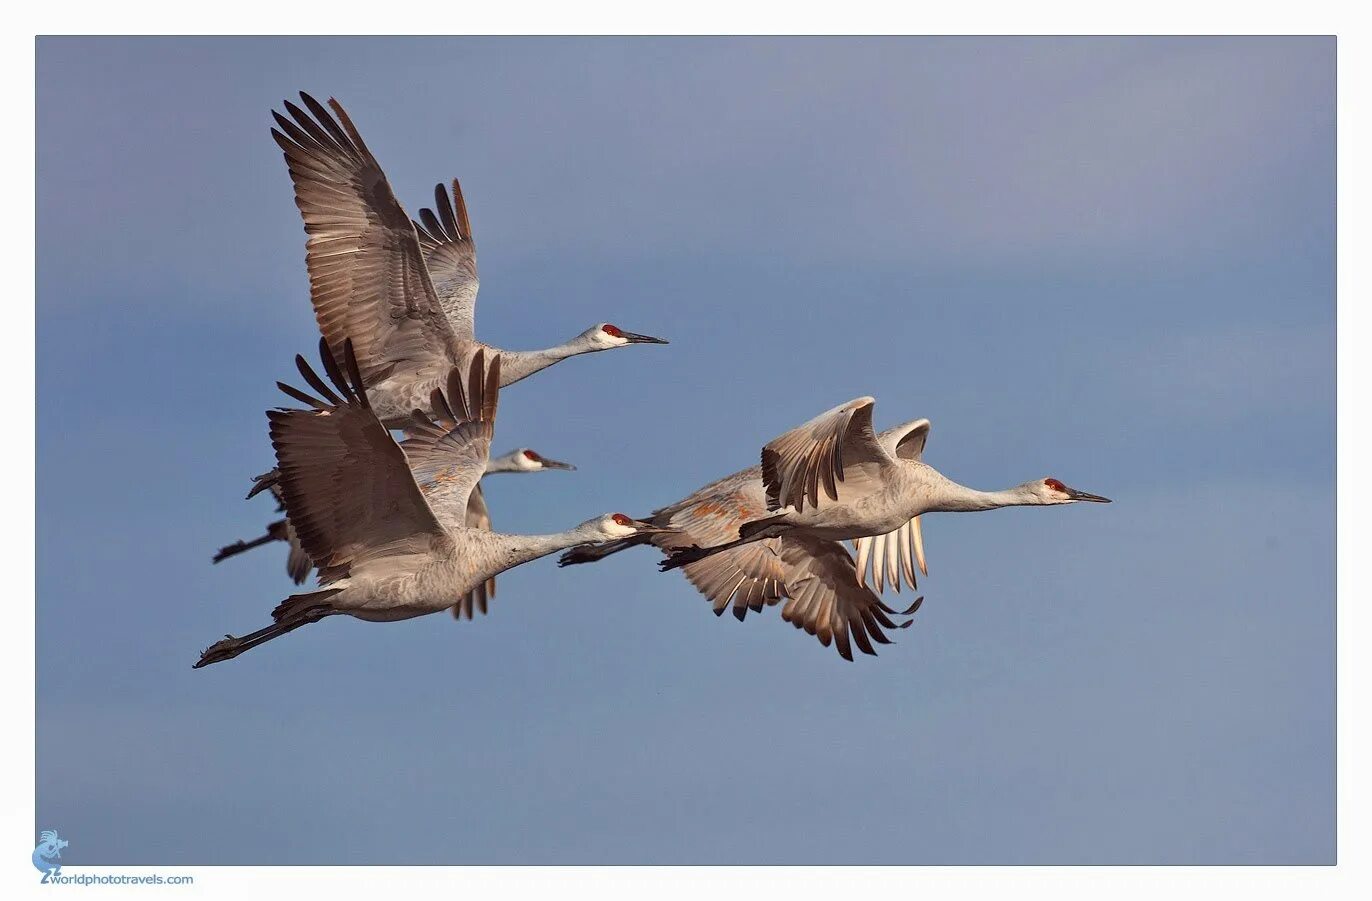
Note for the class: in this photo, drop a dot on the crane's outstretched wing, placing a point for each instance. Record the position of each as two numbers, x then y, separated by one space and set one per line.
891 556
478 517
368 281
825 599
345 483
814 578
448 450
906 441
445 238
835 446
298 563
747 577
899 552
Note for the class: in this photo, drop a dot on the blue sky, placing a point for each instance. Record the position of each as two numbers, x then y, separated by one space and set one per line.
1105 260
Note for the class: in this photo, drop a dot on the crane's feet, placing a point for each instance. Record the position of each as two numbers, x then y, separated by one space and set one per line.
226 648
582 553
231 550
683 556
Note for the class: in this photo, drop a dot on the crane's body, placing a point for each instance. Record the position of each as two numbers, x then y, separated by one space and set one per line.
445 570
398 531
403 291
874 489
299 565
387 550
813 577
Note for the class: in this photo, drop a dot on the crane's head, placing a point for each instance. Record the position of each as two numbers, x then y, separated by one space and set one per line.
606 336
1051 491
526 460
618 525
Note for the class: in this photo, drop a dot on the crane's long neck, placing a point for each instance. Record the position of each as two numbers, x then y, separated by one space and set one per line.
520 364
517 549
504 463
950 497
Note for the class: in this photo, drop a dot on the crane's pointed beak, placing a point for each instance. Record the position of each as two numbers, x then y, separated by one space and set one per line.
1076 495
557 464
643 339
647 528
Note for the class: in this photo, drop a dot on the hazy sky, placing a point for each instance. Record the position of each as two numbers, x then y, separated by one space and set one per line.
1109 261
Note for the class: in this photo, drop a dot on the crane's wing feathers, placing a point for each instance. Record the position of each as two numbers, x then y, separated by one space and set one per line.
894 556
478 517
906 441
891 557
448 453
345 483
833 447
814 578
825 599
368 280
747 577
298 562
445 238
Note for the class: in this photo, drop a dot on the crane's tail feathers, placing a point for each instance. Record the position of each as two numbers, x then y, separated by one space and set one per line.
299 610
590 553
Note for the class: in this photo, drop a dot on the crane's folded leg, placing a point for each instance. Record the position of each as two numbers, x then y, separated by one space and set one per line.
294 612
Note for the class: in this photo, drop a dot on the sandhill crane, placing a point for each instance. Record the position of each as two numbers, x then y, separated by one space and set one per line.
299 565
885 486
404 292
822 592
386 550
520 459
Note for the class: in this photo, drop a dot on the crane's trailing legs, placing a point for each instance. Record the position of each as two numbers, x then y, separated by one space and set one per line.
276 531
749 532
294 612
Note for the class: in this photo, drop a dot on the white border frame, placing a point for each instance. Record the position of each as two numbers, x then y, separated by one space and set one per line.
1347 879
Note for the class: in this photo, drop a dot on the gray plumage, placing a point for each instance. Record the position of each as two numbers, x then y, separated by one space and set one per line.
404 292
813 579
385 549
298 563
834 479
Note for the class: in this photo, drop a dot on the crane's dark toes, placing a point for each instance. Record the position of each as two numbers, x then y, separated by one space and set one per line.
578 554
228 551
226 648
681 557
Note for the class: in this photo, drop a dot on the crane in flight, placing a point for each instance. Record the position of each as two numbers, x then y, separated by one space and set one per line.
814 579
299 565
403 291
885 486
385 549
